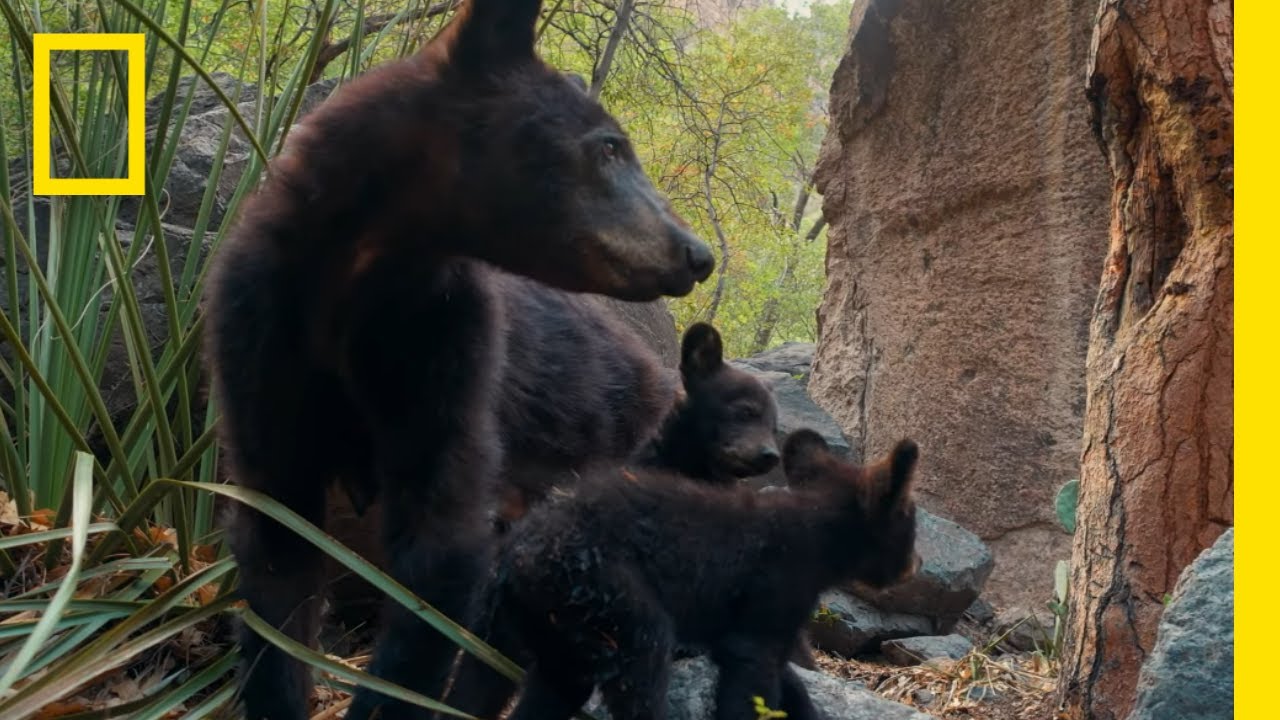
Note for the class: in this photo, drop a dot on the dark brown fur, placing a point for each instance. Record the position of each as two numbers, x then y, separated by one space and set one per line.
352 328
598 585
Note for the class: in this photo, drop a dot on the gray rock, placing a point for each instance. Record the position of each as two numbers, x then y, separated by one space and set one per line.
1023 629
693 687
980 612
197 152
916 650
1190 672
792 358
955 567
982 693
848 625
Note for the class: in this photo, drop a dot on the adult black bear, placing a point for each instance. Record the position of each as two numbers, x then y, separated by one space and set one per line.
353 320
597 585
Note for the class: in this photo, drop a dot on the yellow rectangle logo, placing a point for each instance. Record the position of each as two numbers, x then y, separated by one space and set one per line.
134 181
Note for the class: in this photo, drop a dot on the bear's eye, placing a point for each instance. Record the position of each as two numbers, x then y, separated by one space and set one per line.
610 148
744 413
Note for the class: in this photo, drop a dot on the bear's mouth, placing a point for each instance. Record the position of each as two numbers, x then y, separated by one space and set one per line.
734 465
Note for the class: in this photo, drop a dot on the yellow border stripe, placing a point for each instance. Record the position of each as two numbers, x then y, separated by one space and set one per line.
1257 499
134 182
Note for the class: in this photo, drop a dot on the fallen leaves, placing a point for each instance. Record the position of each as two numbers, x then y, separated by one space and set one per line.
8 511
978 686
12 523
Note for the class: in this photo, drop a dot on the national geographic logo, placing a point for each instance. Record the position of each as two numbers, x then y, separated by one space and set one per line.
134 46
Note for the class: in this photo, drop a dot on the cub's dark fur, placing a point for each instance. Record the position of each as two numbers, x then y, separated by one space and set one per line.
596 586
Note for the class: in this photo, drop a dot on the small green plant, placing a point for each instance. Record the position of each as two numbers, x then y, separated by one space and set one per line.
825 615
764 712
1058 606
1065 504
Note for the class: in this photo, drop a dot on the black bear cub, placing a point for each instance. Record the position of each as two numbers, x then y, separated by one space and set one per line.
595 587
725 428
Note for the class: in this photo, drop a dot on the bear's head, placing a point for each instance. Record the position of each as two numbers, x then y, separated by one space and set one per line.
543 181
732 414
878 512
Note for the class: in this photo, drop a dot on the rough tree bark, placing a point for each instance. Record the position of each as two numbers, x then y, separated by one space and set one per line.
1156 475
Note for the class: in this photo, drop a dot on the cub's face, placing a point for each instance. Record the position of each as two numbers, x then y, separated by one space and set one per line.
734 414
878 495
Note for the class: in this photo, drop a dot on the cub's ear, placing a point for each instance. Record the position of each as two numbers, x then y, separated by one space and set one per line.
902 466
803 455
489 34
701 351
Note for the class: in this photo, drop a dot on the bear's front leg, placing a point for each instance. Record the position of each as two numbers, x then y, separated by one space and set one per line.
424 358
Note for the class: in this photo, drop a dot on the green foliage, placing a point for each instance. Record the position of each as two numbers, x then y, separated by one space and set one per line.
763 711
1064 504
1058 606
825 615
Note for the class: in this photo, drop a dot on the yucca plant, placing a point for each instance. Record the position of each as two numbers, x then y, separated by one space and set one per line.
111 557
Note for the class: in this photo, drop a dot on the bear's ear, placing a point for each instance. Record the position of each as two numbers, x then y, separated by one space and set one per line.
902 466
489 34
701 351
803 455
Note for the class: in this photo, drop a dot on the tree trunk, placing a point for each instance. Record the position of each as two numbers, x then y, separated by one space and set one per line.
620 25
1156 467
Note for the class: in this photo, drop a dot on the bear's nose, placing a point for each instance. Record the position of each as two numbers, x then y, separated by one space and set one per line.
701 261
768 455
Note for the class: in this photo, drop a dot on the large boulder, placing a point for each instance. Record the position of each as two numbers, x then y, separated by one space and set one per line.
793 358
1190 673
693 687
968 209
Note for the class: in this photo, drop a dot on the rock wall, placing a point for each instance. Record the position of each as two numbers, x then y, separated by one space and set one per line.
967 199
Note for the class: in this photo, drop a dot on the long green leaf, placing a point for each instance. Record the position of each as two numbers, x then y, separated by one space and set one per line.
347 557
44 536
297 650
83 481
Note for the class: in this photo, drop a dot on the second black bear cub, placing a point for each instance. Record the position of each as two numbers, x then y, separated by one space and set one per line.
725 428
599 584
